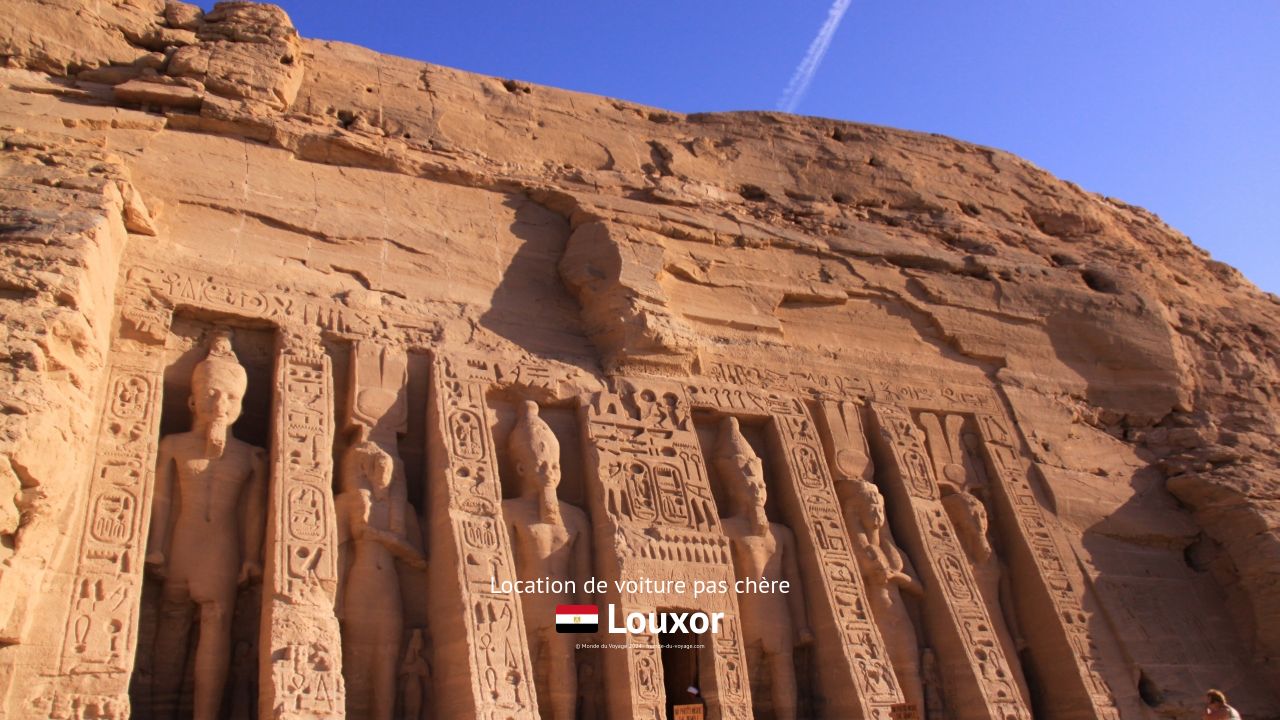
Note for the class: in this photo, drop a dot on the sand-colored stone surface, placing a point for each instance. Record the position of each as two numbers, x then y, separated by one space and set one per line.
432 282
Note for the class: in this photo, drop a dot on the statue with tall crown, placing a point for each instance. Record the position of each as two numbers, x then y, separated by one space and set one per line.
773 624
550 539
206 532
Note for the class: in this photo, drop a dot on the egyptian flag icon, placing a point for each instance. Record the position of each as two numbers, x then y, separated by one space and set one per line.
577 618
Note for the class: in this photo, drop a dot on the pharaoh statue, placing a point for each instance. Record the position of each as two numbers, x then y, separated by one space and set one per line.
206 531
549 538
773 623
969 518
372 511
884 571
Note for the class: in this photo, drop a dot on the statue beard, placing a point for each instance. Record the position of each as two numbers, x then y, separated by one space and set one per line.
549 504
216 441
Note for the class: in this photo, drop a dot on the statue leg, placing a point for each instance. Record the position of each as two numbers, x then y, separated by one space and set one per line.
782 672
213 658
170 658
357 670
563 677
384 679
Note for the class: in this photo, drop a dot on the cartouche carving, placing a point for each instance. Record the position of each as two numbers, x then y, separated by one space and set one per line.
549 538
773 623
207 545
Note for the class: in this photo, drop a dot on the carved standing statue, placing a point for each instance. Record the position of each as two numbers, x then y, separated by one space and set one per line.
372 515
206 531
773 623
969 518
883 569
550 538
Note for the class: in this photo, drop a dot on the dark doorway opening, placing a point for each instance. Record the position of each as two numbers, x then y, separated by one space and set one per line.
681 680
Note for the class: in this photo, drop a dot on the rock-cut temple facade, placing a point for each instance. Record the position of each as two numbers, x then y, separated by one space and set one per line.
312 357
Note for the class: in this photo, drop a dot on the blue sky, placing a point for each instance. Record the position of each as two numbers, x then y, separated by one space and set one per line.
1173 105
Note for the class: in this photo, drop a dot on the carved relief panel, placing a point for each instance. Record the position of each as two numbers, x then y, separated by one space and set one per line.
1078 688
470 552
979 681
301 670
654 517
848 646
100 640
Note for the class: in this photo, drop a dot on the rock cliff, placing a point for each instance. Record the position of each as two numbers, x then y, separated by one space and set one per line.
155 159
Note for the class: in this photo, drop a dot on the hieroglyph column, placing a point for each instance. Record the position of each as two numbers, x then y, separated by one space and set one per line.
482 667
849 642
976 673
1063 640
301 662
101 633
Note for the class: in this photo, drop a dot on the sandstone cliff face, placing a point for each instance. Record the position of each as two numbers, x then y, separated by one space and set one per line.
152 152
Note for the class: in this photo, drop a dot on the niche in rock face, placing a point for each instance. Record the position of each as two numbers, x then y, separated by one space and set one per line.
170 621
543 507
745 479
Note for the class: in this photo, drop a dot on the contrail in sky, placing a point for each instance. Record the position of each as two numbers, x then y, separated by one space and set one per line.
808 67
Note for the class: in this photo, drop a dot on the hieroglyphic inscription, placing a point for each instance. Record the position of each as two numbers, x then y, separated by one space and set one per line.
100 639
175 286
959 622
835 384
861 654
652 496
471 553
1011 489
301 672
650 463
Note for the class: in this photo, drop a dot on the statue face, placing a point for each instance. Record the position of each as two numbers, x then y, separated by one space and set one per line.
216 396
379 469
748 473
875 507
540 467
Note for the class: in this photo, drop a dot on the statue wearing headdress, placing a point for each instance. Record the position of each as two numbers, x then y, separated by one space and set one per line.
550 538
375 531
773 624
969 518
207 525
886 575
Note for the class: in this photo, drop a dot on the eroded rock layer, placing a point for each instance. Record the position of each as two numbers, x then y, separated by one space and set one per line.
1013 443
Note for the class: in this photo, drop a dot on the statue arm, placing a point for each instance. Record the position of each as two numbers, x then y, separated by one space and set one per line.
255 516
1008 610
795 598
161 507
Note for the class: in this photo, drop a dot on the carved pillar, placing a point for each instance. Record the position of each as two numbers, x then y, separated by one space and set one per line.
1056 626
482 667
654 516
301 661
976 673
849 644
97 653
